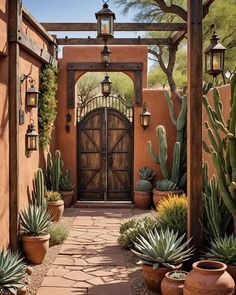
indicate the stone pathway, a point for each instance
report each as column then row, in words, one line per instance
column 90, row 261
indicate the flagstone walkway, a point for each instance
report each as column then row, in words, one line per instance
column 90, row 261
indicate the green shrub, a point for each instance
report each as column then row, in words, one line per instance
column 58, row 233
column 53, row 196
column 130, row 230
column 172, row 213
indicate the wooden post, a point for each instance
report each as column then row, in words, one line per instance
column 194, row 125
column 15, row 16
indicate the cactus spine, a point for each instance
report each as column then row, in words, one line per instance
column 39, row 189
column 223, row 148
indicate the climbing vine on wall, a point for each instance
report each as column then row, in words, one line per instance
column 47, row 111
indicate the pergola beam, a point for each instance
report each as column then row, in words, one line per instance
column 178, row 37
column 139, row 27
column 114, row 41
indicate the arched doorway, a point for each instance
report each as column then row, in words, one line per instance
column 105, row 150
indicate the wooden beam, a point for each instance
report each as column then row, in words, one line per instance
column 115, row 41
column 194, row 123
column 15, row 17
column 39, row 53
column 178, row 37
column 206, row 7
column 138, row 27
column 36, row 25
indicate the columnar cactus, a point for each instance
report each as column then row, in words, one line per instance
column 54, row 171
column 222, row 136
column 39, row 189
column 48, row 173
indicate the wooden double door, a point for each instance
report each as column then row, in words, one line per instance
column 105, row 156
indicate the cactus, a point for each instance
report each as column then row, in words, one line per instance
column 48, row 172
column 65, row 182
column 146, row 173
column 54, row 171
column 166, row 185
column 39, row 189
column 222, row 136
column 143, row 185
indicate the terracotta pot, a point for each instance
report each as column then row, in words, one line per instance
column 35, row 247
column 171, row 286
column 67, row 197
column 56, row 209
column 21, row 291
column 142, row 199
column 231, row 269
column 159, row 195
column 209, row 278
column 154, row 277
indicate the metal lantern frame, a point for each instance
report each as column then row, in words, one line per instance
column 32, row 95
column 215, row 56
column 31, row 137
column 145, row 117
column 105, row 55
column 106, row 86
column 105, row 22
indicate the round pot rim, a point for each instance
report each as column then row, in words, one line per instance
column 67, row 192
column 219, row 266
column 142, row 192
column 56, row 203
column 173, row 279
column 177, row 267
column 155, row 190
column 32, row 239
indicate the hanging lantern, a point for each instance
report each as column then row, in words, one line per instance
column 31, row 137
column 105, row 55
column 105, row 22
column 32, row 96
column 145, row 117
column 214, row 56
column 106, row 86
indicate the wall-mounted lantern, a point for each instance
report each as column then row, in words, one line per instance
column 214, row 56
column 106, row 86
column 68, row 120
column 105, row 55
column 31, row 137
column 145, row 117
column 32, row 94
column 105, row 22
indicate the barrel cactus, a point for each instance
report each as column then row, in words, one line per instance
column 222, row 136
column 143, row 185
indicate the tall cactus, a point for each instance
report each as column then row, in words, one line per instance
column 54, row 171
column 39, row 189
column 222, row 136
column 179, row 166
column 48, row 172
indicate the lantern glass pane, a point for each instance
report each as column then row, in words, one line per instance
column 208, row 61
column 31, row 142
column 105, row 26
column 32, row 99
column 217, row 65
column 146, row 120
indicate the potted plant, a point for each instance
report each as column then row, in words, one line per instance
column 143, row 188
column 12, row 271
column 35, row 222
column 160, row 252
column 224, row 250
column 173, row 282
column 170, row 184
column 66, row 188
column 55, row 205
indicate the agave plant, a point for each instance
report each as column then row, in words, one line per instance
column 166, row 185
column 162, row 248
column 12, row 270
column 223, row 249
column 53, row 196
column 146, row 173
column 35, row 220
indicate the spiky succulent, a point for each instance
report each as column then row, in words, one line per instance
column 53, row 196
column 12, row 270
column 223, row 249
column 166, row 185
column 146, row 173
column 65, row 182
column 162, row 248
column 35, row 220
column 143, row 186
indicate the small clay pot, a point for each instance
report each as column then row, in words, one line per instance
column 35, row 247
column 142, row 199
column 67, row 197
column 56, row 209
column 207, row 278
column 154, row 277
column 159, row 195
column 172, row 286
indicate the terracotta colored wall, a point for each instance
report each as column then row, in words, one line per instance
column 4, row 148
column 225, row 96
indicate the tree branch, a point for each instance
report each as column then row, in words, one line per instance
column 172, row 9
column 206, row 7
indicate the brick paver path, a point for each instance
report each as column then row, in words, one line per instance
column 90, row 261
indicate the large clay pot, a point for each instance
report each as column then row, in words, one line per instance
column 35, row 247
column 209, row 278
column 56, row 209
column 142, row 199
column 231, row 269
column 172, row 286
column 67, row 197
column 154, row 277
column 159, row 195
